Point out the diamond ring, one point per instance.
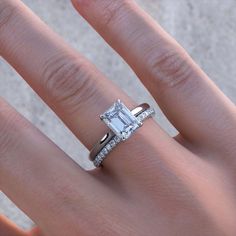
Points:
(122, 123)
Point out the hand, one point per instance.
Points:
(152, 184)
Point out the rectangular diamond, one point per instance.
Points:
(120, 120)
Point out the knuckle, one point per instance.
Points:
(112, 11)
(67, 82)
(6, 13)
(170, 68)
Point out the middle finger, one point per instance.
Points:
(68, 83)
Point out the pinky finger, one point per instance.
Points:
(35, 174)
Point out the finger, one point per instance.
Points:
(190, 100)
(8, 228)
(68, 83)
(42, 180)
(72, 86)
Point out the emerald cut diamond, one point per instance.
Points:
(120, 120)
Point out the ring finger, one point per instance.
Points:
(66, 81)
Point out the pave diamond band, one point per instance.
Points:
(123, 123)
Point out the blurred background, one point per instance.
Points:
(206, 29)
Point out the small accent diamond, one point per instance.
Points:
(117, 139)
(99, 158)
(105, 151)
(108, 147)
(112, 143)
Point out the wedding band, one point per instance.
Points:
(122, 123)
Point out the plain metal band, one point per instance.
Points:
(108, 136)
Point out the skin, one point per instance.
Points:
(152, 184)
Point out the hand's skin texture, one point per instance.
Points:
(152, 184)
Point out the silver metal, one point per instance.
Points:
(112, 139)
